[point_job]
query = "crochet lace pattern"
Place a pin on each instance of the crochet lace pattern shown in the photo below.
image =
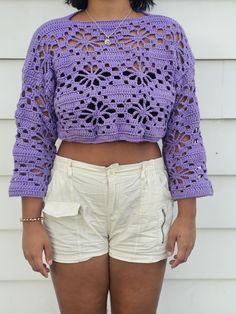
(141, 87)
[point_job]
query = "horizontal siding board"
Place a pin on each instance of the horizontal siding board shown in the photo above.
(30, 297)
(209, 37)
(212, 257)
(228, 89)
(215, 88)
(215, 85)
(220, 145)
(218, 211)
(10, 82)
(197, 296)
(209, 25)
(20, 32)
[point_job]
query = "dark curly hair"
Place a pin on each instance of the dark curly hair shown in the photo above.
(137, 5)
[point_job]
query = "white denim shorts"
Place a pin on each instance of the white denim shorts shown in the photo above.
(90, 210)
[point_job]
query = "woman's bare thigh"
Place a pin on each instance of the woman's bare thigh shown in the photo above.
(135, 287)
(82, 287)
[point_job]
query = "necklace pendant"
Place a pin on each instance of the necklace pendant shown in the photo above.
(107, 41)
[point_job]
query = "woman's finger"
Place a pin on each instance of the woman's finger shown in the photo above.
(180, 256)
(37, 265)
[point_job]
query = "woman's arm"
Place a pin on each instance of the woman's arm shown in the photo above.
(184, 152)
(31, 207)
(35, 238)
(34, 149)
(183, 148)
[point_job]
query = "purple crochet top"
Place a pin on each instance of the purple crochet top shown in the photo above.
(139, 88)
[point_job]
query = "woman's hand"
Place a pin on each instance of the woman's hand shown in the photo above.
(182, 231)
(35, 239)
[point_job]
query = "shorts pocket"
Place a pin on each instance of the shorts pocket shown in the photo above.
(61, 198)
(61, 209)
(161, 179)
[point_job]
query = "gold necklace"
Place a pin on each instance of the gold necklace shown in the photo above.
(107, 40)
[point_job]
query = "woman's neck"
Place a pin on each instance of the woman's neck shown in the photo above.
(109, 10)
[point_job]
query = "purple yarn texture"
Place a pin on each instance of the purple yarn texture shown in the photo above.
(139, 88)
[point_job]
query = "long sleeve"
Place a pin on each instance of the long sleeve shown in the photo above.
(34, 148)
(183, 148)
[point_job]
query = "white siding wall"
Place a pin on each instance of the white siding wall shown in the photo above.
(206, 283)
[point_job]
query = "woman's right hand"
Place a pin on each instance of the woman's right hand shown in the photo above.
(35, 240)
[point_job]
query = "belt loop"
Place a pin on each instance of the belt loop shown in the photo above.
(144, 173)
(69, 169)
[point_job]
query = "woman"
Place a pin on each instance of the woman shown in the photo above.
(110, 81)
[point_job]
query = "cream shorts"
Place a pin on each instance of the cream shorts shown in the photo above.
(90, 210)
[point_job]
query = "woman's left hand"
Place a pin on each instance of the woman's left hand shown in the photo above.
(182, 231)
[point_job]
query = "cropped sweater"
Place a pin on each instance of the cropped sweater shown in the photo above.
(140, 87)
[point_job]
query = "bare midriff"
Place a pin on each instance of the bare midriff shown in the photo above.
(104, 154)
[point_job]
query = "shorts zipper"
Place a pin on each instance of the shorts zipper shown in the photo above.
(163, 212)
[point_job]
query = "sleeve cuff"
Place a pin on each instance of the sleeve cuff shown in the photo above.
(198, 191)
(25, 189)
